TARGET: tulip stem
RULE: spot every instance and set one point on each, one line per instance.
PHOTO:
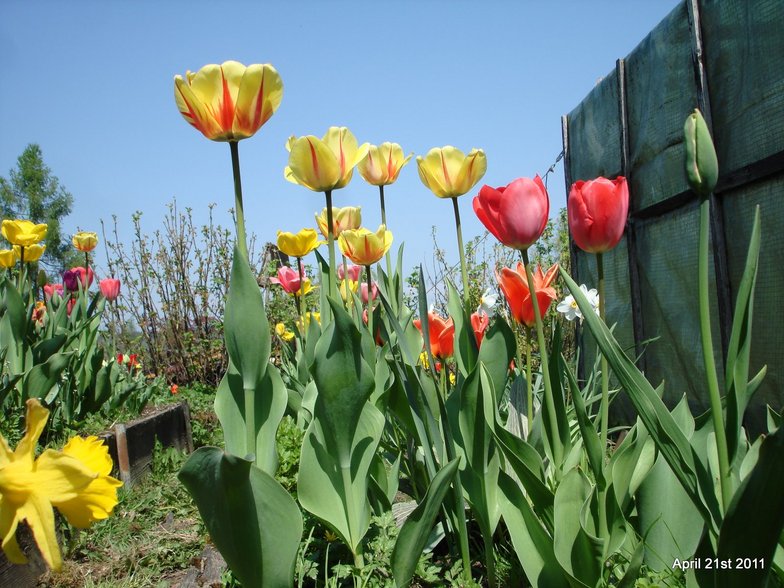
(549, 399)
(529, 385)
(463, 270)
(707, 356)
(330, 243)
(370, 304)
(605, 403)
(239, 214)
(384, 222)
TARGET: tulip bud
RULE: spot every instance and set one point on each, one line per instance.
(702, 167)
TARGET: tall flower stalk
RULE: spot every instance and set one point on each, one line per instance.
(239, 210)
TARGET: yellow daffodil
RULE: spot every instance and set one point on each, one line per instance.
(299, 244)
(85, 241)
(324, 164)
(229, 102)
(8, 258)
(283, 332)
(348, 217)
(448, 173)
(75, 480)
(23, 232)
(31, 252)
(381, 166)
(363, 246)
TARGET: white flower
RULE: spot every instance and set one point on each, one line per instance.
(568, 306)
(487, 303)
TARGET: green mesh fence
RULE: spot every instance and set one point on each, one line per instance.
(726, 56)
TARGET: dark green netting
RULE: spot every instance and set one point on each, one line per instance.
(747, 101)
(744, 60)
(660, 93)
(596, 132)
(768, 328)
(667, 259)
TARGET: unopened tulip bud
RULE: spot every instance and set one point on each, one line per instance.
(702, 167)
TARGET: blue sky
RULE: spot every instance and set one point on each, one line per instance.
(92, 84)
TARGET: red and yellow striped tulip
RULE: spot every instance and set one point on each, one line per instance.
(324, 164)
(363, 246)
(448, 172)
(382, 164)
(343, 219)
(229, 102)
(85, 241)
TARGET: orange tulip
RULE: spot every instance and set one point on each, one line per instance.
(479, 323)
(514, 285)
(442, 334)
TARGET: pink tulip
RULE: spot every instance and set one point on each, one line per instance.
(354, 271)
(364, 292)
(51, 289)
(289, 279)
(110, 288)
(515, 214)
(75, 275)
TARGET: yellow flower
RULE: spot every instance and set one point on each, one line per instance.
(364, 247)
(423, 361)
(74, 480)
(229, 102)
(85, 241)
(309, 316)
(348, 217)
(23, 232)
(299, 244)
(448, 173)
(305, 288)
(31, 252)
(8, 258)
(283, 332)
(347, 287)
(324, 164)
(382, 164)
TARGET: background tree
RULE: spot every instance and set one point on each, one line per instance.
(33, 192)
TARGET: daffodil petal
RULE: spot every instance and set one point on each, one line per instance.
(37, 511)
(8, 523)
(35, 421)
(94, 503)
(92, 452)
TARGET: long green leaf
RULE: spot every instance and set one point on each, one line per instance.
(591, 441)
(669, 439)
(413, 535)
(466, 351)
(253, 521)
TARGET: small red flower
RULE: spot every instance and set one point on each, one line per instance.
(174, 389)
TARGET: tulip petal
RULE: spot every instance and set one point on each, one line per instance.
(472, 169)
(260, 94)
(193, 111)
(313, 164)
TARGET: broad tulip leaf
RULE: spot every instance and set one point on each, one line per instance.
(246, 329)
(466, 352)
(496, 353)
(414, 533)
(739, 349)
(754, 522)
(578, 552)
(343, 436)
(532, 543)
(269, 406)
(43, 377)
(253, 521)
(669, 439)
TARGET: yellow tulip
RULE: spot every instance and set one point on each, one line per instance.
(381, 166)
(85, 241)
(316, 316)
(448, 173)
(229, 102)
(347, 287)
(283, 332)
(8, 258)
(363, 246)
(324, 164)
(299, 244)
(23, 232)
(75, 480)
(348, 217)
(32, 253)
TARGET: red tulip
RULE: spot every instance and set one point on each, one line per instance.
(479, 322)
(515, 214)
(442, 334)
(76, 275)
(514, 285)
(110, 288)
(597, 213)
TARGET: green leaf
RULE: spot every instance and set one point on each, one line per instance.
(466, 352)
(591, 440)
(253, 521)
(754, 521)
(43, 377)
(532, 543)
(496, 352)
(269, 407)
(413, 535)
(246, 329)
(669, 439)
(739, 349)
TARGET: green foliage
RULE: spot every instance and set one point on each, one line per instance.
(33, 193)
